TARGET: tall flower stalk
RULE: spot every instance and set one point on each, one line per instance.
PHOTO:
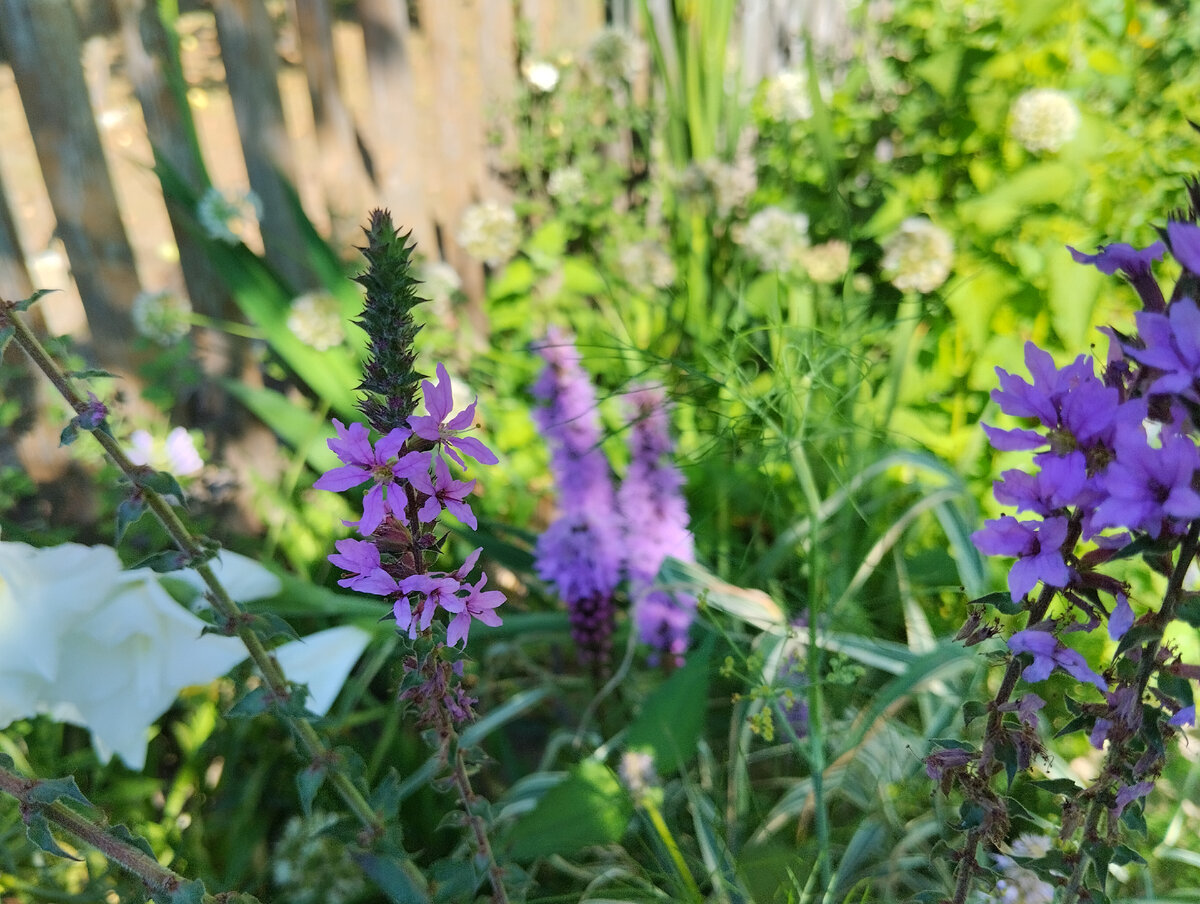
(1116, 471)
(409, 486)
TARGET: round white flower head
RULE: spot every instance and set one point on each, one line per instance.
(176, 454)
(439, 281)
(731, 184)
(567, 186)
(1043, 120)
(226, 217)
(918, 255)
(163, 317)
(637, 772)
(1018, 884)
(315, 318)
(612, 55)
(542, 76)
(827, 262)
(489, 232)
(776, 239)
(646, 263)
(786, 98)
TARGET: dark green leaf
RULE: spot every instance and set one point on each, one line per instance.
(1123, 854)
(165, 562)
(128, 512)
(37, 829)
(1133, 819)
(973, 710)
(670, 720)
(163, 483)
(308, 783)
(70, 433)
(1137, 636)
(1101, 856)
(1058, 786)
(48, 790)
(455, 880)
(1189, 611)
(399, 880)
(587, 808)
(254, 703)
(122, 832)
(385, 798)
(268, 626)
(26, 303)
(90, 374)
(6, 334)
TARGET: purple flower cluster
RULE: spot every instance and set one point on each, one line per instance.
(601, 534)
(1116, 473)
(410, 486)
(654, 522)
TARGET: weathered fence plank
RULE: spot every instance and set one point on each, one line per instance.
(41, 40)
(247, 41)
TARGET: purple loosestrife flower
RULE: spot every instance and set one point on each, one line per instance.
(654, 522)
(580, 552)
(443, 491)
(1048, 653)
(1061, 482)
(1037, 546)
(362, 462)
(433, 590)
(1185, 244)
(478, 603)
(433, 426)
(365, 572)
(1172, 345)
(1150, 486)
(1134, 263)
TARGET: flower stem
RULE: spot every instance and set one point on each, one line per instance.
(276, 681)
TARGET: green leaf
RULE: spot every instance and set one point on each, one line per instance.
(588, 807)
(941, 70)
(298, 426)
(1041, 183)
(91, 374)
(386, 797)
(455, 880)
(253, 703)
(973, 710)
(1189, 611)
(70, 433)
(268, 626)
(165, 562)
(308, 783)
(1001, 600)
(37, 830)
(1073, 291)
(1058, 786)
(128, 513)
(163, 483)
(122, 833)
(188, 893)
(398, 879)
(48, 790)
(26, 303)
(672, 717)
(6, 335)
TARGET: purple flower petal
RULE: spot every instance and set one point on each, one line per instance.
(1185, 244)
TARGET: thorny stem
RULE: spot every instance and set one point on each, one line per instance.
(158, 878)
(234, 615)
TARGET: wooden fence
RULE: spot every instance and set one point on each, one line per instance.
(389, 104)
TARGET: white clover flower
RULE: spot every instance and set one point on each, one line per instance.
(647, 263)
(637, 773)
(776, 239)
(177, 453)
(1019, 885)
(731, 184)
(827, 262)
(311, 867)
(315, 318)
(439, 281)
(918, 256)
(542, 76)
(162, 317)
(567, 185)
(226, 217)
(489, 232)
(613, 55)
(85, 642)
(786, 98)
(1043, 120)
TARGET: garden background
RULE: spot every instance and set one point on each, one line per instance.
(819, 227)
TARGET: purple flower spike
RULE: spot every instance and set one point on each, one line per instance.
(1119, 256)
(1048, 653)
(445, 492)
(1148, 485)
(479, 604)
(1185, 244)
(435, 590)
(362, 462)
(434, 427)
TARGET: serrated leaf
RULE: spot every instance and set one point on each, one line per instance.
(188, 893)
(308, 783)
(672, 717)
(48, 790)
(37, 830)
(588, 807)
(121, 832)
(399, 880)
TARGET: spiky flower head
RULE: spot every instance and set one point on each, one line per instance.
(1044, 120)
(389, 379)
